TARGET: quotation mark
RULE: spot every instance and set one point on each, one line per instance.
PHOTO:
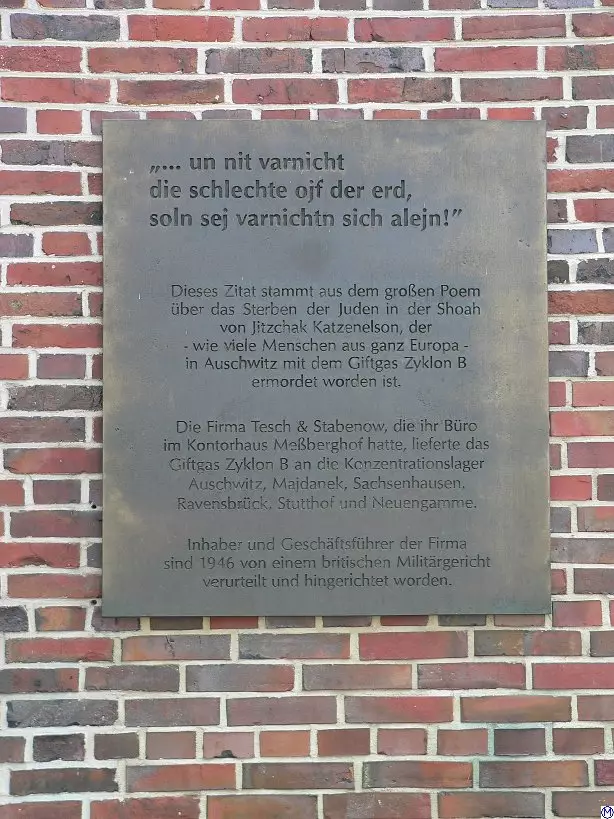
(158, 168)
(457, 212)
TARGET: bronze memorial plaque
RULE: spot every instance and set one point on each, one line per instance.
(325, 368)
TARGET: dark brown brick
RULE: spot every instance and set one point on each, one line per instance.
(239, 678)
(258, 61)
(57, 713)
(386, 60)
(378, 805)
(63, 780)
(116, 746)
(173, 711)
(70, 747)
(64, 27)
(297, 776)
(56, 213)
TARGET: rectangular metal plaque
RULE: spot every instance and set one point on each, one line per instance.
(325, 368)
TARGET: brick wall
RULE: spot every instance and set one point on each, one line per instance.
(292, 718)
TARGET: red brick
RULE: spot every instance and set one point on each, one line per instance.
(555, 456)
(165, 807)
(593, 25)
(516, 708)
(284, 743)
(408, 774)
(229, 623)
(399, 709)
(570, 487)
(594, 581)
(11, 493)
(284, 92)
(293, 710)
(66, 244)
(576, 613)
(173, 647)
(513, 27)
(58, 122)
(38, 681)
(348, 677)
(596, 519)
(284, 29)
(511, 114)
(500, 643)
(62, 780)
(408, 89)
(220, 745)
(380, 805)
(71, 586)
(12, 749)
(55, 91)
(594, 210)
(260, 807)
(40, 59)
(143, 60)
(395, 113)
(403, 29)
(116, 746)
(232, 677)
(471, 742)
(297, 776)
(472, 805)
(593, 394)
(294, 646)
(158, 28)
(62, 274)
(63, 650)
(604, 772)
(40, 304)
(602, 644)
(13, 367)
(65, 335)
(207, 776)
(171, 745)
(44, 810)
(533, 774)
(572, 676)
(61, 366)
(605, 116)
(578, 741)
(170, 92)
(520, 741)
(503, 58)
(413, 646)
(580, 181)
(27, 183)
(503, 90)
(60, 618)
(53, 461)
(348, 742)
(54, 555)
(558, 332)
(471, 675)
(579, 58)
(401, 741)
(171, 711)
(133, 678)
(595, 708)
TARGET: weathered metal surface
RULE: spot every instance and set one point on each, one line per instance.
(370, 439)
